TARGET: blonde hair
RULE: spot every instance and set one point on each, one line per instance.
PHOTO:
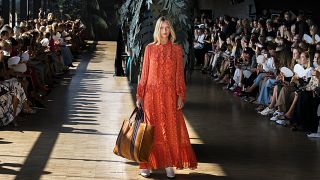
(307, 56)
(156, 34)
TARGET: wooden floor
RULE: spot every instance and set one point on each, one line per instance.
(74, 137)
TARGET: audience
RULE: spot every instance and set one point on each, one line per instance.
(270, 61)
(33, 56)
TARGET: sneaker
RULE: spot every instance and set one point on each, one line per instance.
(170, 173)
(274, 118)
(233, 88)
(314, 135)
(145, 173)
(277, 112)
(282, 122)
(217, 79)
(267, 111)
(71, 65)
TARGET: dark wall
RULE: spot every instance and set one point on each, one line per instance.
(222, 7)
(308, 7)
(242, 7)
(100, 18)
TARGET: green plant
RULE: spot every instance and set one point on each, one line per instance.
(137, 18)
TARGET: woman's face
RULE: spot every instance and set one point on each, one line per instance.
(287, 17)
(313, 30)
(268, 26)
(295, 54)
(293, 29)
(165, 30)
(259, 25)
(255, 24)
(228, 41)
(316, 58)
(50, 16)
(303, 59)
(239, 22)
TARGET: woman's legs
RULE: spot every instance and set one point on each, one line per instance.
(263, 97)
(214, 62)
(274, 97)
(290, 112)
(256, 82)
(15, 102)
(206, 61)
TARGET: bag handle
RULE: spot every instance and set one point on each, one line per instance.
(134, 111)
(139, 116)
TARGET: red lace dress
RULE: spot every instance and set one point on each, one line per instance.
(161, 83)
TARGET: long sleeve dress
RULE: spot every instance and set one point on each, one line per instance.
(161, 83)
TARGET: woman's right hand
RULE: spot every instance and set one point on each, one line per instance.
(139, 103)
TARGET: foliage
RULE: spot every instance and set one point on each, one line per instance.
(90, 12)
(143, 14)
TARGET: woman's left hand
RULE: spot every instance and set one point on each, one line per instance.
(180, 103)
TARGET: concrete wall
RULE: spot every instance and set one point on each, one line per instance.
(223, 7)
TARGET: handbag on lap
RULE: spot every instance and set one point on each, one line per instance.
(135, 138)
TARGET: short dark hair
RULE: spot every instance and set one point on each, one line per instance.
(272, 46)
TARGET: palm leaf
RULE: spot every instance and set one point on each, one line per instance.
(138, 17)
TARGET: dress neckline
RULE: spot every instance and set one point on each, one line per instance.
(166, 44)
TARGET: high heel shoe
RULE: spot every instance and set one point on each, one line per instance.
(170, 173)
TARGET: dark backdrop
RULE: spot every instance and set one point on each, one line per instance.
(308, 7)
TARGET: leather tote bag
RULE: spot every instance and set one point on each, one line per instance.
(135, 138)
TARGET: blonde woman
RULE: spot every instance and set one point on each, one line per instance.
(161, 92)
(313, 33)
